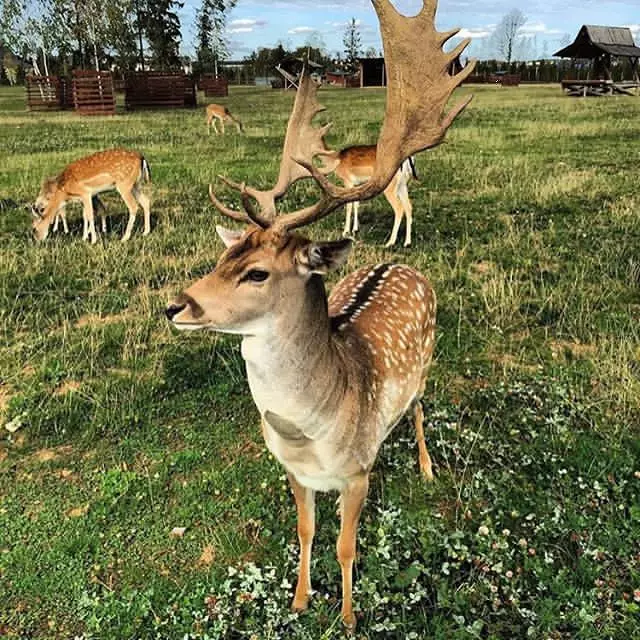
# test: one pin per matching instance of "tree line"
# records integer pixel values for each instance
(53, 36)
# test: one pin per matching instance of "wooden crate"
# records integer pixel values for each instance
(155, 89)
(214, 87)
(44, 93)
(93, 92)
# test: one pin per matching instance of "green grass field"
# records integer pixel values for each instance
(527, 221)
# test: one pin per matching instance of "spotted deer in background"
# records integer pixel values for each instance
(355, 165)
(220, 113)
(119, 169)
(331, 376)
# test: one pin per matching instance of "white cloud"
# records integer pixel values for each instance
(240, 30)
(344, 25)
(536, 27)
(246, 22)
(474, 33)
(297, 30)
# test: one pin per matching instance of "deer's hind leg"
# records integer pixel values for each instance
(403, 196)
(145, 203)
(391, 193)
(426, 467)
(127, 194)
(351, 501)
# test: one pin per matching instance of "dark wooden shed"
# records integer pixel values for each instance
(372, 72)
(600, 45)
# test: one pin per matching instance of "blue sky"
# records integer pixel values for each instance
(255, 23)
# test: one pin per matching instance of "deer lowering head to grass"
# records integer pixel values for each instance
(61, 216)
(355, 165)
(119, 169)
(331, 376)
(219, 113)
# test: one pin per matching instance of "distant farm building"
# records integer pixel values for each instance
(601, 45)
(342, 79)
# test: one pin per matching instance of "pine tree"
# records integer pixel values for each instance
(162, 30)
(352, 45)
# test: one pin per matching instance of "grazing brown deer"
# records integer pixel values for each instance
(332, 376)
(119, 169)
(61, 216)
(355, 165)
(220, 113)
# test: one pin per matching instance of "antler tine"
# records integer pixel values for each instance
(301, 140)
(245, 193)
(419, 86)
(240, 216)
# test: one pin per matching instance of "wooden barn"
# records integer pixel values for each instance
(601, 45)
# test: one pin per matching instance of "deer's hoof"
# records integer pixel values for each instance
(349, 622)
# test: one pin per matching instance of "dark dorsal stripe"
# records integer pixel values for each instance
(364, 291)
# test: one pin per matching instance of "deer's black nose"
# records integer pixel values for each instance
(173, 310)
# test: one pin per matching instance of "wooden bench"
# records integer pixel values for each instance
(597, 88)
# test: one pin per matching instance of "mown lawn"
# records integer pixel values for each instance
(527, 221)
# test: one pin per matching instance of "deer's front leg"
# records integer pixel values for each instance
(306, 506)
(351, 500)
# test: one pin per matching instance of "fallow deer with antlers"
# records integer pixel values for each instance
(332, 376)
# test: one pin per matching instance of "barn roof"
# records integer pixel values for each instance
(592, 41)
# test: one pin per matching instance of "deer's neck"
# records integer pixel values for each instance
(296, 370)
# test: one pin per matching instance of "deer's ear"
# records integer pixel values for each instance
(228, 236)
(322, 257)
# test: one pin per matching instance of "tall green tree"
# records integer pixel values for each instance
(211, 44)
(162, 31)
(352, 45)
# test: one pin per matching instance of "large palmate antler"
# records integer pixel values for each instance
(302, 141)
(419, 86)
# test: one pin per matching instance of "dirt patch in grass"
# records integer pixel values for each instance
(94, 320)
(69, 386)
(5, 397)
(575, 349)
(207, 556)
(46, 455)
(77, 512)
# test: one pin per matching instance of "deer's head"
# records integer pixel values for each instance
(261, 273)
(41, 223)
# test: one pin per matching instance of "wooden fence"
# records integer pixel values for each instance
(93, 92)
(213, 86)
(506, 79)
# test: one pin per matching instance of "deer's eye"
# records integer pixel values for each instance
(255, 275)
